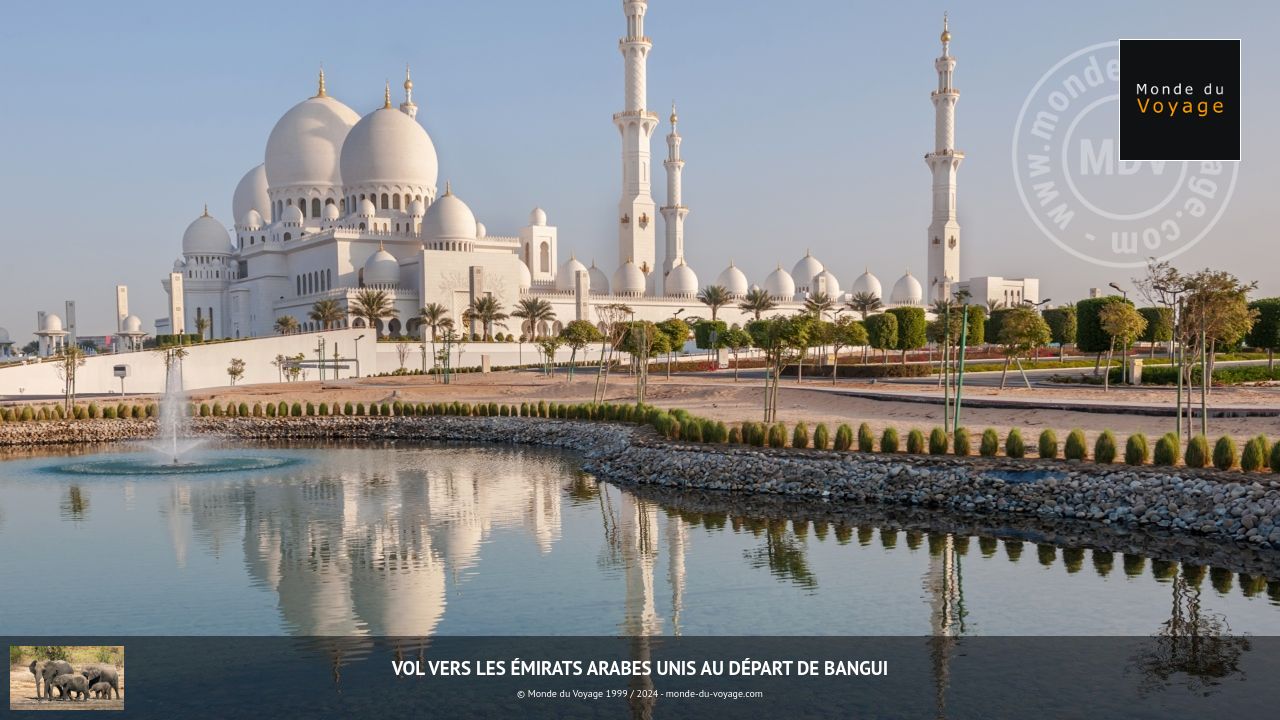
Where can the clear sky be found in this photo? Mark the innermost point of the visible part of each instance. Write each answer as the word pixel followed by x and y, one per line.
pixel 804 125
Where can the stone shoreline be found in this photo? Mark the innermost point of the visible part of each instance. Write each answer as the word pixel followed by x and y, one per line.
pixel 1231 508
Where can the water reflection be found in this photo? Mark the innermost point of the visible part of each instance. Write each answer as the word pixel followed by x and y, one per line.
pixel 76 505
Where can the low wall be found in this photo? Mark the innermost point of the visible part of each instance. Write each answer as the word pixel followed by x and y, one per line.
pixel 1228 507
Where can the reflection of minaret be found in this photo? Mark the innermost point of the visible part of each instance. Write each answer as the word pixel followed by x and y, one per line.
pixel 944 162
pixel 636 528
pixel 677 535
pixel 178 517
pixel 946 611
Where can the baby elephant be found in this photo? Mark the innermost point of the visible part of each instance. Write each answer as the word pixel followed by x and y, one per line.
pixel 99 674
pixel 101 690
pixel 69 684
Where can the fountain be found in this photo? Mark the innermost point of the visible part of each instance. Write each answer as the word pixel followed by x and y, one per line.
pixel 172 425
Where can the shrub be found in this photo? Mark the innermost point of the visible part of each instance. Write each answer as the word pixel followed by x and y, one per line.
pixel 1136 450
pixel 218 410
pixel 866 440
pixel 1274 463
pixel 1014 446
pixel 960 444
pixel 1104 449
pixel 989 446
pixel 735 436
pixel 1166 452
pixel 1254 457
pixel 757 434
pixel 542 409
pixel 937 441
pixel 1266 449
pixel 915 442
pixel 204 410
pixel 721 433
pixel 1075 448
pixel 282 409
pixel 94 411
pixel 1197 452
pixel 844 437
pixel 296 409
pixel 1224 453
pixel 821 437
pixel 1048 445
pixel 123 411
pixel 322 409
pixel 109 413
pixel 800 436
pixel 311 408
pixel 244 409
pixel 153 410
pixel 778 436
pixel 257 409
pixel 231 410
pixel 889 441
pixel 271 409
pixel 693 432
pixel 360 408
pixel 139 412
pixel 348 409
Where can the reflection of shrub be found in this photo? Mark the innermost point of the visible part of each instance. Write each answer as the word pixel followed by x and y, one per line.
pixel 1197 452
pixel 1224 453
pixel 915 442
pixel 889 441
pixel 1167 450
pixel 844 437
pixel 1104 450
pixel 938 441
pixel 1135 450
pixel 1047 447
pixel 1014 446
pixel 961 442
pixel 989 446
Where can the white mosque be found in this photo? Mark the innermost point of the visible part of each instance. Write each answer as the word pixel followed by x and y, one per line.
pixel 343 202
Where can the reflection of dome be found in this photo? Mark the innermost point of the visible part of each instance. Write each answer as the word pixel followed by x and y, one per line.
pixel 381 269
pixel 251 194
pixel 449 219
pixel 599 281
pixel 907 291
pixel 805 270
pixel 833 285
pixel 206 236
pixel 292 215
pixel 628 280
pixel 733 280
pixel 867 283
pixel 133 324
pixel 538 217
pixel 780 285
pixel 304 146
pixel 52 324
pixel 387 147
pixel 682 282
pixel 568 274
pixel 526 277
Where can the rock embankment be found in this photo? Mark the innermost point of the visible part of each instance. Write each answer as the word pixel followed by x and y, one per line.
pixel 1228 507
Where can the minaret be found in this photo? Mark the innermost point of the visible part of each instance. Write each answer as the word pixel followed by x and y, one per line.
pixel 944 161
pixel 674 212
pixel 407 107
pixel 636 221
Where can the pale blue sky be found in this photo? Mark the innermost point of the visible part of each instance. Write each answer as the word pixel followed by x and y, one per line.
pixel 804 126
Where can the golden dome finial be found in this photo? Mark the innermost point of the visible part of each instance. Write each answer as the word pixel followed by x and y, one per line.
pixel 320 91
pixel 386 96
pixel 206 210
pixel 408 81
pixel 946 32
pixel 674 118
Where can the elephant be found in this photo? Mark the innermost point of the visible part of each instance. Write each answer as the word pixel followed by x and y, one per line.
pixel 101 690
pixel 95 674
pixel 47 670
pixel 69 684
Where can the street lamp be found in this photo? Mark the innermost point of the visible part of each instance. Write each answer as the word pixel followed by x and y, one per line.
pixel 1123 293
pixel 1037 305
pixel 357 358
pixel 1171 292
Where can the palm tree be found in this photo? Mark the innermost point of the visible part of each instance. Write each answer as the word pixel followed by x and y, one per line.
pixel 533 312
pixel 488 312
pixel 818 305
pixel 714 297
pixel 326 312
pixel 202 327
pixel 864 302
pixel 373 306
pixel 757 302
pixel 432 316
pixel 993 304
pixel 286 324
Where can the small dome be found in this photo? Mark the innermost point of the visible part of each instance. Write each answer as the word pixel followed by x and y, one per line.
pixel 868 283
pixel 733 280
pixel 568 274
pixel 292 215
pixel 305 144
pixel 682 282
pixel 206 236
pixel 599 281
pixel 331 212
pixel 251 194
pixel 780 285
pixel 133 324
pixel 526 277
pixel 538 217
pixel 179 264
pixel 251 220
pixel 381 269
pixel 481 230
pixel 387 147
pixel 805 270
pixel 628 280
pixel 367 208
pixel 417 208
pixel 52 324
pixel 833 285
pixel 907 291
pixel 449 218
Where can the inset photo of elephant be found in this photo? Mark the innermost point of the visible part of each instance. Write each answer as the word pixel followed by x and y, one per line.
pixel 66 677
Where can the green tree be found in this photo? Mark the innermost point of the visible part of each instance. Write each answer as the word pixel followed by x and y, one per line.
pixel 68 363
pixel 286 324
pixel 912 329
pixel 756 302
pixel 1062 326
pixel 326 313
pixel 704 330
pixel 882 332
pixel 235 370
pixel 202 327
pixel 677 332
pixel 487 311
pixel 1159 327
pixel 1265 333
pixel 374 306
pixel 1022 332
pixel 1090 337
pixel 1122 323
pixel 714 297
pixel 736 340
pixel 779 338
pixel 845 332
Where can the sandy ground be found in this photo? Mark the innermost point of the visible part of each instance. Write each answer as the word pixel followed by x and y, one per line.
pixel 22 695
pixel 812 401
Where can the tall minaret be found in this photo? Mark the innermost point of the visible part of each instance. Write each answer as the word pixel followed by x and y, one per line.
pixel 944 161
pixel 407 107
pixel 636 221
pixel 674 212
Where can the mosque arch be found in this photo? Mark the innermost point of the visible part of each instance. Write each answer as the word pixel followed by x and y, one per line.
pixel 393 327
pixel 386 202
pixel 288 237
pixel 358 323
pixel 544 257
pixel 395 201
pixel 315 207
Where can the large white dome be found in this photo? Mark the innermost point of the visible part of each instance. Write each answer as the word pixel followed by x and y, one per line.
pixel 381 269
pixel 682 282
pixel 868 283
pixel 389 148
pixel 206 236
pixel 733 280
pixel 305 145
pixel 833 284
pixel 780 285
pixel 568 274
pixel 449 218
pixel 805 270
pixel 628 280
pixel 907 291
pixel 251 194
pixel 599 281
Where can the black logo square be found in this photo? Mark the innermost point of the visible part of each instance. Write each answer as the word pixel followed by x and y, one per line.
pixel 1180 100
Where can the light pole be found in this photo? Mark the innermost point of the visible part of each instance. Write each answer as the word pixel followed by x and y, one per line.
pixel 320 355
pixel 1124 351
pixel 1176 360
pixel 358 339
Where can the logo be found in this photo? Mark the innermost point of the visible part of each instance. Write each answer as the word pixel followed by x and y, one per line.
pixel 1110 212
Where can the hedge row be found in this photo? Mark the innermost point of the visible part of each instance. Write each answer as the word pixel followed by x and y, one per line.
pixel 92 411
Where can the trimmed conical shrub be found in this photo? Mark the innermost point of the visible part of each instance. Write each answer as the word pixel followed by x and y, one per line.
pixel 866 439
pixel 1104 449
pixel 821 437
pixel 1014 446
pixel 938 441
pixel 915 442
pixel 1197 452
pixel 1047 447
pixel 800 436
pixel 1224 453
pixel 1076 448
pixel 1136 450
pixel 1254 457
pixel 244 409
pixel 961 444
pixel 778 436
pixel 989 446
pixel 204 410
pixel 735 435
pixel 271 409
pixel 1166 452
pixel 889 440
pixel 844 437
